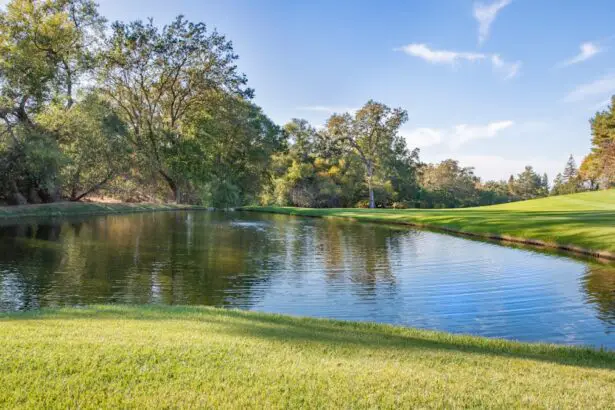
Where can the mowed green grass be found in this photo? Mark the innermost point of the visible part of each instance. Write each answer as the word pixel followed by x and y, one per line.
pixel 197 357
pixel 585 220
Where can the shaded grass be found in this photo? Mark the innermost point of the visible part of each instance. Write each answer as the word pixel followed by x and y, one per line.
pixel 139 357
pixel 581 222
pixel 59 209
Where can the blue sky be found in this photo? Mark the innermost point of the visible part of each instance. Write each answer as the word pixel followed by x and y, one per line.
pixel 496 84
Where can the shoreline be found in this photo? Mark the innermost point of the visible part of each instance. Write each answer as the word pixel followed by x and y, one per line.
pixel 62 209
pixel 440 220
pixel 372 217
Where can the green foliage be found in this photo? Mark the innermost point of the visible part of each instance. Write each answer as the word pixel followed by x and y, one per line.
pixel 152 113
pixel 156 79
pixel 568 182
pixel 590 171
pixel 167 106
pixel 353 158
pixel 448 185
pixel 373 134
pixel 600 167
pixel 231 141
pixel 529 185
pixel 93 139
pixel 44 47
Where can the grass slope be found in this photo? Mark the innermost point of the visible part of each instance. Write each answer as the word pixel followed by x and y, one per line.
pixel 581 222
pixel 81 208
pixel 161 357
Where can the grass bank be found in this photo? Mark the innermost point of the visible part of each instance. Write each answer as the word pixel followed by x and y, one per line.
pixel 82 208
pixel 146 357
pixel 582 223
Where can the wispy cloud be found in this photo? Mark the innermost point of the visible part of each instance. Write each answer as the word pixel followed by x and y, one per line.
pixel 509 70
pixel 439 56
pixel 422 51
pixel 329 109
pixel 602 86
pixel 464 133
pixel 485 14
pixel 588 50
pixel 455 136
pixel 422 137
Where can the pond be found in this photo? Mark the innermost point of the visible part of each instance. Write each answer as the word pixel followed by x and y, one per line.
pixel 310 267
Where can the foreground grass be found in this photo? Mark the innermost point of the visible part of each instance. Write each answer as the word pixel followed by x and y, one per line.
pixel 82 208
pixel 144 357
pixel 581 222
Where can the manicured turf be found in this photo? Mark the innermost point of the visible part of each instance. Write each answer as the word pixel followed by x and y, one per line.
pixel 82 208
pixel 585 221
pixel 187 357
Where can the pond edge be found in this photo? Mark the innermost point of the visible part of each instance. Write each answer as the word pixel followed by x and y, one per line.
pixel 600 254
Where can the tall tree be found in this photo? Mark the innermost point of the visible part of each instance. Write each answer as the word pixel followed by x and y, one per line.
pixel 372 133
pixel 603 143
pixel 545 183
pixel 528 184
pixel 558 184
pixel 590 171
pixel 450 185
pixel 46 48
pixel 569 181
pixel 228 150
pixel 93 141
pixel 570 171
pixel 156 77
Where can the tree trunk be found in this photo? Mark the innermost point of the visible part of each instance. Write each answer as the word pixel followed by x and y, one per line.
pixel 74 197
pixel 33 196
pixel 173 185
pixel 16 197
pixel 370 171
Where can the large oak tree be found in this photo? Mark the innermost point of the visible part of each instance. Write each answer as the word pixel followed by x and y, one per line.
pixel 373 133
pixel 156 77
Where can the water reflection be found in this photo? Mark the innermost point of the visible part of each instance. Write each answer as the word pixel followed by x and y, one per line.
pixel 308 267
pixel 599 285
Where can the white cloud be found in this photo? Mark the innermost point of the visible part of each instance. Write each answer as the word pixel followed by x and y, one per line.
pixel 439 56
pixel 509 70
pixel 485 14
pixel 464 133
pixel 455 136
pixel 422 137
pixel 588 50
pixel 603 86
pixel 328 109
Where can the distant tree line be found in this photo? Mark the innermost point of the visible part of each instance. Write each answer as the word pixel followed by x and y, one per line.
pixel 142 113
pixel 361 160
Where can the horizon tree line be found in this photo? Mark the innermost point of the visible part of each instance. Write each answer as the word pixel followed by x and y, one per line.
pixel 141 112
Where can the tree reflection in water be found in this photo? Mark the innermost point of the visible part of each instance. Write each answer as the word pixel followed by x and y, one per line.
pixel 307 266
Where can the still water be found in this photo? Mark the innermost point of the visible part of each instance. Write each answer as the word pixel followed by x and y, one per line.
pixel 309 267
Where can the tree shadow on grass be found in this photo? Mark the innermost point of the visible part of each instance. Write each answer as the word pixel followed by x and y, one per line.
pixel 316 333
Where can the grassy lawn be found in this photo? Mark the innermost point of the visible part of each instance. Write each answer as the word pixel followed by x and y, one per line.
pixel 585 221
pixel 145 357
pixel 82 208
